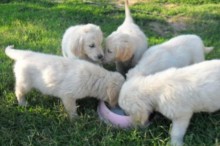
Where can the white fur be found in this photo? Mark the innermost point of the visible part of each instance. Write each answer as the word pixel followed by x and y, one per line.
pixel 63 77
pixel 83 42
pixel 178 52
pixel 175 93
pixel 126 45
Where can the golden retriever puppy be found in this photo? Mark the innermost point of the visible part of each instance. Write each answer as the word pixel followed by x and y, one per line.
pixel 83 42
pixel 175 93
pixel 68 79
pixel 178 52
pixel 126 45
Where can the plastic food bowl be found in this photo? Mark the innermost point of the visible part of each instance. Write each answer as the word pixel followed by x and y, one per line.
pixel 114 116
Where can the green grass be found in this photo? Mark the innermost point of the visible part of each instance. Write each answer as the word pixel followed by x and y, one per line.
pixel 39 25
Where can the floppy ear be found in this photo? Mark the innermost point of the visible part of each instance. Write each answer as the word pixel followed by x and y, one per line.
pixel 78 47
pixel 139 113
pixel 140 118
pixel 124 51
pixel 112 95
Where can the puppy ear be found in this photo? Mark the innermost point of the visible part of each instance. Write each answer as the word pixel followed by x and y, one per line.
pixel 112 95
pixel 141 118
pixel 139 113
pixel 145 118
pixel 78 47
pixel 124 50
pixel 113 88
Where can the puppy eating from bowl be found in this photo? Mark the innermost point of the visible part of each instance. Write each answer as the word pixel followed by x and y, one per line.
pixel 175 93
pixel 65 78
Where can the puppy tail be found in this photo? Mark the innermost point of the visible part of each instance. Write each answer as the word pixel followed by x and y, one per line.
pixel 208 49
pixel 64 54
pixel 16 54
pixel 128 17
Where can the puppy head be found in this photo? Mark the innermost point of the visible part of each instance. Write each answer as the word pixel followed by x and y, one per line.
pixel 118 47
pixel 90 42
pixel 114 87
pixel 134 103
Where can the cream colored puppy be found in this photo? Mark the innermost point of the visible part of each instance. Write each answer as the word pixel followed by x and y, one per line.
pixel 126 45
pixel 63 77
pixel 83 42
pixel 175 93
pixel 178 52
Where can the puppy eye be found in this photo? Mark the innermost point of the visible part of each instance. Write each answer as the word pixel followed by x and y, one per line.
pixel 92 45
pixel 109 51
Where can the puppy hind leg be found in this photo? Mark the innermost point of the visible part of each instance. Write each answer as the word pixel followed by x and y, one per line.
pixel 22 84
pixel 70 106
pixel 20 92
pixel 178 130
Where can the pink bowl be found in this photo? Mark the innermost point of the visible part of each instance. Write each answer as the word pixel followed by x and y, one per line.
pixel 119 120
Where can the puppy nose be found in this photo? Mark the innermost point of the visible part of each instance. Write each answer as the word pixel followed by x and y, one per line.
pixel 100 56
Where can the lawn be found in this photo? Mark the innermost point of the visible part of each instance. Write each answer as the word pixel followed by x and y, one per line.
pixel 39 25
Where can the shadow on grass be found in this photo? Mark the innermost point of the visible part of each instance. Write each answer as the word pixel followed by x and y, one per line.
pixel 42 125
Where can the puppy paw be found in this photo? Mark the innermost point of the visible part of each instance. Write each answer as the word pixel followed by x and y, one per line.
pixel 176 143
pixel 73 117
pixel 22 103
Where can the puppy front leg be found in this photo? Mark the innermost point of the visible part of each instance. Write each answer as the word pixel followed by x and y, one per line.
pixel 70 106
pixel 178 130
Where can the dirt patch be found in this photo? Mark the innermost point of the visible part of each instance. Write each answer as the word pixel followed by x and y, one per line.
pixel 178 23
pixel 173 25
pixel 159 28
pixel 131 2
pixel 170 6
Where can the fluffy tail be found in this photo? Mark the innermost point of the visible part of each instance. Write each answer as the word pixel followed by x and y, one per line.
pixel 16 54
pixel 208 49
pixel 128 17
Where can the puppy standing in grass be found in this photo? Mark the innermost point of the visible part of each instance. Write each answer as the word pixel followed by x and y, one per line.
pixel 178 52
pixel 83 42
pixel 126 45
pixel 175 93
pixel 63 77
